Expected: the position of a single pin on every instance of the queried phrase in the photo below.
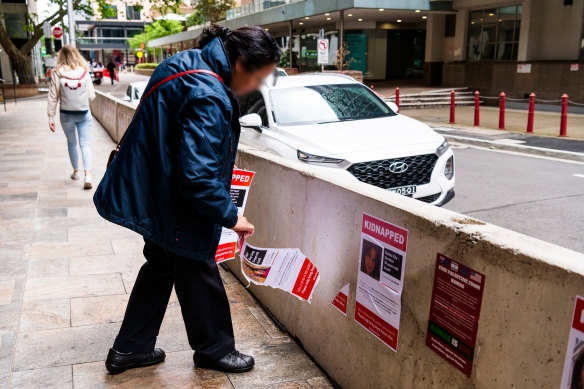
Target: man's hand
(243, 227)
(52, 126)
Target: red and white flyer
(382, 261)
(573, 375)
(286, 269)
(240, 184)
(341, 299)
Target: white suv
(335, 122)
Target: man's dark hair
(253, 45)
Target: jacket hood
(215, 55)
(66, 71)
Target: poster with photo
(573, 374)
(286, 269)
(240, 184)
(380, 278)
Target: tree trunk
(23, 69)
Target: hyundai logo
(398, 167)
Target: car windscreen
(326, 104)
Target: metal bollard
(477, 121)
(397, 98)
(564, 118)
(452, 100)
(502, 111)
(531, 113)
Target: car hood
(368, 139)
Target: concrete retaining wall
(113, 114)
(527, 304)
(528, 298)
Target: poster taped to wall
(573, 375)
(341, 299)
(240, 184)
(380, 276)
(286, 269)
(455, 309)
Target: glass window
(130, 32)
(493, 34)
(133, 12)
(326, 104)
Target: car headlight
(443, 148)
(306, 157)
(449, 168)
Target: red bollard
(397, 98)
(502, 111)
(531, 113)
(564, 120)
(477, 121)
(452, 98)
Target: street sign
(142, 45)
(57, 32)
(323, 51)
(139, 54)
(46, 29)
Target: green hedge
(146, 66)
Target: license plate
(405, 190)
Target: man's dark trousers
(202, 298)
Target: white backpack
(73, 93)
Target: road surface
(119, 87)
(536, 196)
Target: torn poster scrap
(240, 184)
(341, 299)
(286, 269)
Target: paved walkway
(66, 274)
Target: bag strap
(164, 81)
(80, 78)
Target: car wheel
(97, 82)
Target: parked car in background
(335, 122)
(134, 92)
(96, 74)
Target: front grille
(377, 172)
(429, 199)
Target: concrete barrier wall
(113, 114)
(528, 299)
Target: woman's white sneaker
(75, 175)
(87, 184)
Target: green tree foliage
(155, 30)
(211, 11)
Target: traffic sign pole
(71, 23)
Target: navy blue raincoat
(171, 178)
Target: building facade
(519, 46)
(14, 14)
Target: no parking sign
(323, 51)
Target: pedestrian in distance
(170, 182)
(72, 88)
(111, 68)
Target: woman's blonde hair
(68, 55)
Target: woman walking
(71, 86)
(170, 182)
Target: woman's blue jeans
(82, 122)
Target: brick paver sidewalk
(66, 274)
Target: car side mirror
(392, 106)
(251, 120)
(127, 98)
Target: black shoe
(234, 362)
(118, 362)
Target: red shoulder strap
(80, 78)
(172, 77)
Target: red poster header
(578, 322)
(386, 232)
(242, 177)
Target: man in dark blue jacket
(170, 183)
